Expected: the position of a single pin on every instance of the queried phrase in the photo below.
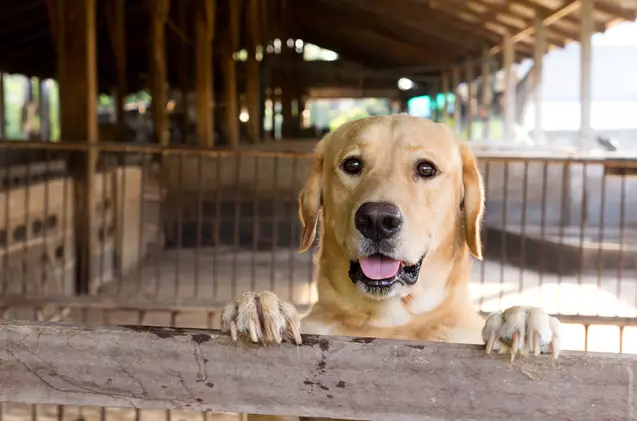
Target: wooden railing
(336, 377)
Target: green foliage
(14, 94)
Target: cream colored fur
(442, 218)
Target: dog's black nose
(378, 220)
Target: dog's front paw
(263, 317)
(522, 330)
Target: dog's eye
(425, 169)
(352, 166)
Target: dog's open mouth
(379, 271)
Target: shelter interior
(221, 72)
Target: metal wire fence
(179, 232)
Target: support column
(77, 77)
(586, 131)
(487, 93)
(116, 18)
(230, 66)
(253, 71)
(509, 88)
(471, 96)
(445, 92)
(204, 34)
(457, 117)
(159, 13)
(185, 69)
(538, 94)
(287, 97)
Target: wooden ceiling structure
(387, 39)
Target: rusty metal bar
(142, 231)
(199, 222)
(275, 224)
(180, 219)
(255, 226)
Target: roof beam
(507, 10)
(546, 12)
(615, 10)
(489, 17)
(348, 32)
(524, 48)
(421, 30)
(547, 21)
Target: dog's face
(392, 191)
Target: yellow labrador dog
(400, 202)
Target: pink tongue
(379, 267)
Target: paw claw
(264, 318)
(522, 330)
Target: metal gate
(179, 232)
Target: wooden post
(116, 18)
(471, 96)
(538, 58)
(587, 26)
(184, 69)
(457, 116)
(509, 88)
(77, 77)
(253, 71)
(445, 93)
(487, 93)
(204, 33)
(324, 377)
(230, 65)
(159, 13)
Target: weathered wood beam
(233, 8)
(77, 78)
(538, 92)
(116, 17)
(444, 85)
(510, 82)
(586, 82)
(408, 22)
(336, 377)
(361, 36)
(487, 92)
(457, 116)
(511, 12)
(204, 34)
(449, 14)
(184, 76)
(157, 62)
(547, 11)
(471, 96)
(133, 303)
(616, 10)
(491, 17)
(253, 70)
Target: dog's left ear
(472, 201)
(310, 198)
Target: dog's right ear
(310, 199)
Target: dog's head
(392, 191)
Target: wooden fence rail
(347, 378)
